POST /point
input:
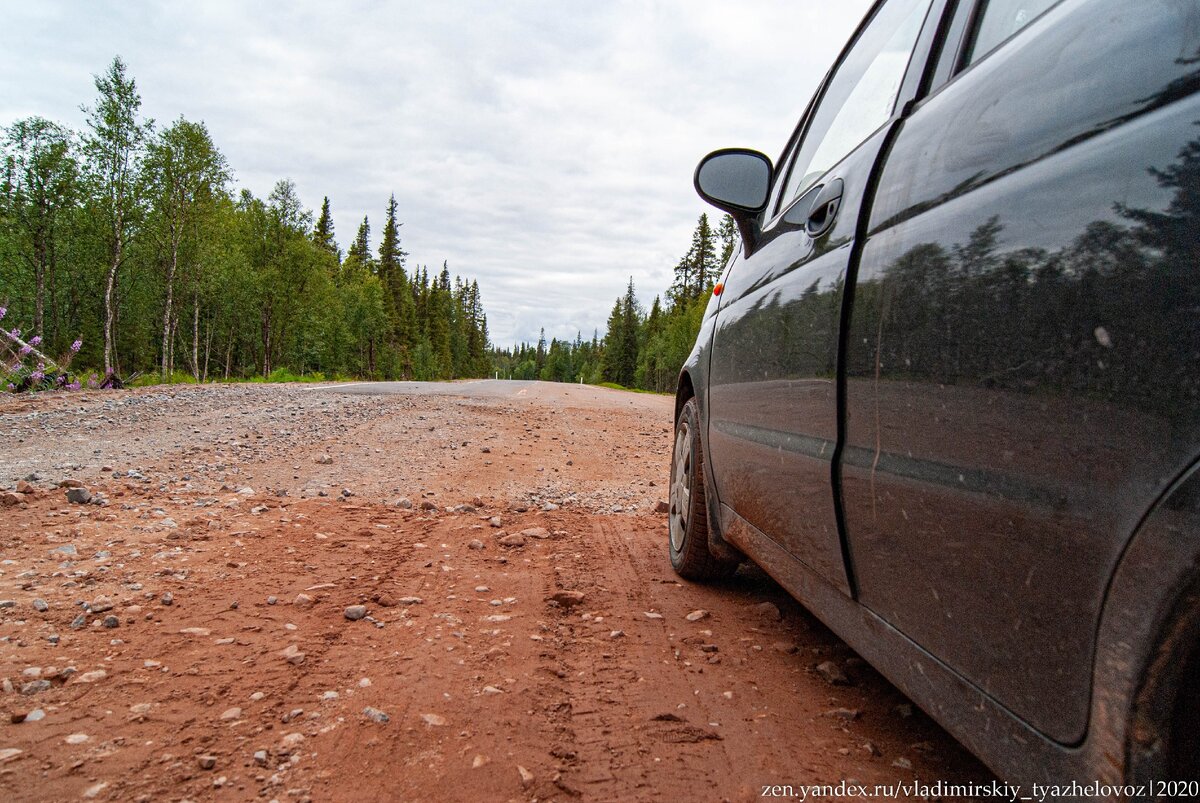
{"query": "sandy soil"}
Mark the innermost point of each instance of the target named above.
(243, 526)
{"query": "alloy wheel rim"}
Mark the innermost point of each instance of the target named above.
(681, 485)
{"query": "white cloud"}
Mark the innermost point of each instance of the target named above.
(544, 148)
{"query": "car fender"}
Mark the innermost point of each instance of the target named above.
(1150, 623)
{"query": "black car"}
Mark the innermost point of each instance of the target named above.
(947, 392)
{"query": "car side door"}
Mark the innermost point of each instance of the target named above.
(772, 396)
(1022, 356)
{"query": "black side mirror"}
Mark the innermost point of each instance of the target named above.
(737, 181)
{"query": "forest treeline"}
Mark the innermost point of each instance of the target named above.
(639, 349)
(129, 237)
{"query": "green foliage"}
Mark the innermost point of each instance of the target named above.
(639, 351)
(132, 241)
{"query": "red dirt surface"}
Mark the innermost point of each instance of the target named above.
(233, 672)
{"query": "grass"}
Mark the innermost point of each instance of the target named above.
(279, 375)
(615, 386)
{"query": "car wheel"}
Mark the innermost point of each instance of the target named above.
(690, 556)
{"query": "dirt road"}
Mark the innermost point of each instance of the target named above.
(454, 592)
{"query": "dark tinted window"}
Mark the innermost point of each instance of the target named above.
(861, 95)
(999, 19)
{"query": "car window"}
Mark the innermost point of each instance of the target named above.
(860, 96)
(997, 20)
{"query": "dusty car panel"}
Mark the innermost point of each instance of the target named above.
(957, 423)
(1019, 390)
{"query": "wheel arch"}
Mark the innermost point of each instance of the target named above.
(717, 544)
(684, 390)
(1149, 637)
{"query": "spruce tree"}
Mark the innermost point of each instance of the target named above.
(704, 257)
(323, 232)
(728, 235)
(393, 277)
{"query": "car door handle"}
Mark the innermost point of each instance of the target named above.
(824, 208)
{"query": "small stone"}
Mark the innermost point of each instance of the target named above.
(495, 521)
(246, 491)
(662, 507)
(404, 503)
(206, 762)
(476, 544)
(844, 714)
(78, 496)
(902, 763)
(100, 605)
(833, 674)
(616, 634)
(434, 719)
(94, 790)
(375, 715)
(355, 612)
(35, 687)
(410, 600)
(76, 738)
(767, 610)
(79, 622)
(111, 622)
(697, 615)
(92, 677)
(478, 761)
(195, 631)
(291, 741)
(260, 758)
(36, 715)
(526, 775)
(291, 653)
(347, 493)
(652, 615)
(567, 599)
(785, 647)
(231, 713)
(514, 540)
(167, 598)
(272, 600)
(492, 690)
(8, 753)
(40, 605)
(541, 533)
(325, 460)
(303, 601)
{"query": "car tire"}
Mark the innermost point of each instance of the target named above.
(688, 510)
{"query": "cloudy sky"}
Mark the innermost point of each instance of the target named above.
(544, 148)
